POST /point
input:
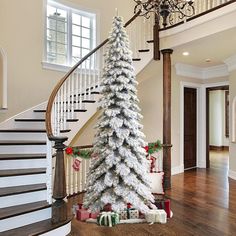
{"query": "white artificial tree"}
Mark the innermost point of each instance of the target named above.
(119, 175)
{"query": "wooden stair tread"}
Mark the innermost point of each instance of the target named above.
(21, 156)
(76, 110)
(144, 50)
(22, 130)
(35, 228)
(21, 189)
(21, 142)
(88, 101)
(136, 59)
(40, 120)
(17, 172)
(22, 209)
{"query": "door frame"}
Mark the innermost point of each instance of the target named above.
(201, 120)
(208, 89)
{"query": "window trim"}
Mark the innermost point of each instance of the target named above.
(69, 7)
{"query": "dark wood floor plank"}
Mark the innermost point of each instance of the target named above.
(21, 189)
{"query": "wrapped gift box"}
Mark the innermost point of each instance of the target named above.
(82, 214)
(129, 213)
(156, 216)
(165, 205)
(108, 219)
(94, 215)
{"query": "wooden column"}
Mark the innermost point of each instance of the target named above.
(59, 206)
(167, 117)
(156, 40)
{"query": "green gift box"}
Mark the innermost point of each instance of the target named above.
(108, 219)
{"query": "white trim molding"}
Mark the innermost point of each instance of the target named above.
(232, 174)
(231, 63)
(200, 72)
(3, 56)
(177, 170)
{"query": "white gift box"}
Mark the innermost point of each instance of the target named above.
(156, 216)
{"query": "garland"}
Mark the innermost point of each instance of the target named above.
(76, 152)
(153, 147)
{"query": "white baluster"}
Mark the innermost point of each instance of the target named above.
(69, 104)
(80, 87)
(85, 80)
(77, 89)
(65, 105)
(80, 178)
(73, 78)
(89, 78)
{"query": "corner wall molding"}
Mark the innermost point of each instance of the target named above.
(200, 72)
(232, 174)
(231, 63)
(177, 170)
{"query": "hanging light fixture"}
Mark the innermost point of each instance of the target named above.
(165, 10)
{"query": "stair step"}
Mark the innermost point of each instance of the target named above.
(76, 110)
(136, 59)
(88, 101)
(20, 142)
(40, 110)
(22, 156)
(21, 189)
(22, 209)
(150, 41)
(42, 120)
(18, 172)
(22, 131)
(144, 50)
(35, 228)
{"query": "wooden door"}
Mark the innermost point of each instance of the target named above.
(190, 128)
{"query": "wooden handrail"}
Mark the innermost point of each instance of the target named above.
(66, 76)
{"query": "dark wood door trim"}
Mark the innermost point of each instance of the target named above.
(224, 87)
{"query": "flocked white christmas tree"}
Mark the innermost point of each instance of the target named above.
(118, 175)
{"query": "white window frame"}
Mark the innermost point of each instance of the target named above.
(70, 8)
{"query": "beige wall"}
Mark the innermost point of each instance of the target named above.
(232, 146)
(21, 24)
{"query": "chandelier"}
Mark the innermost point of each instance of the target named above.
(165, 9)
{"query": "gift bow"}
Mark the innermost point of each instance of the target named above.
(106, 216)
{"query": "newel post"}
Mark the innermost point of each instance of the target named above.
(156, 40)
(167, 117)
(59, 206)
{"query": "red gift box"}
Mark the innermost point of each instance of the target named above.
(82, 215)
(129, 205)
(165, 205)
(94, 215)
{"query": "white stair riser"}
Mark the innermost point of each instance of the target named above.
(23, 198)
(23, 136)
(11, 181)
(29, 125)
(25, 219)
(62, 231)
(30, 149)
(22, 164)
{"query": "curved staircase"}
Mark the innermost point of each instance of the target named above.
(27, 159)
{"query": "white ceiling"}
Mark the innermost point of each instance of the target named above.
(217, 48)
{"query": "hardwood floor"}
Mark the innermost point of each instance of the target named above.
(203, 203)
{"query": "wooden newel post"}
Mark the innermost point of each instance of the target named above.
(59, 207)
(167, 117)
(156, 40)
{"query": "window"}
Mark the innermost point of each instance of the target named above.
(70, 34)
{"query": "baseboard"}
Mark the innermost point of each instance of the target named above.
(219, 148)
(232, 174)
(177, 170)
